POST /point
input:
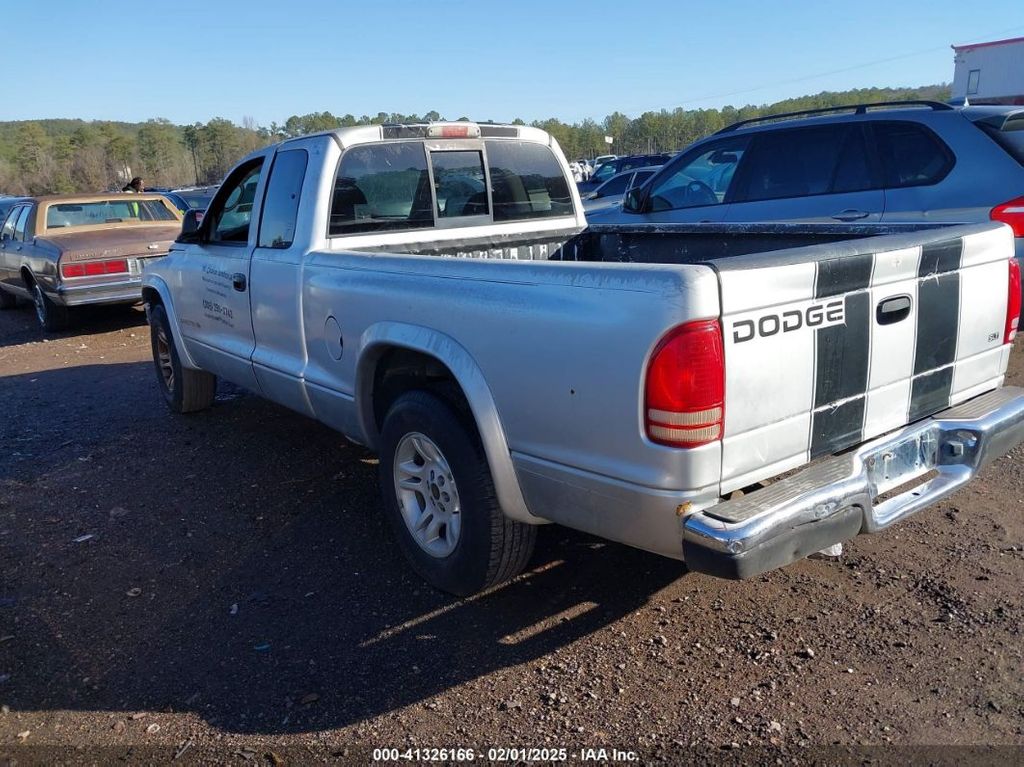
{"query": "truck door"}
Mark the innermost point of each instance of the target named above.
(213, 299)
(276, 284)
(829, 346)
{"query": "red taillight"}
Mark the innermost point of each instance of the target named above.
(685, 393)
(1013, 300)
(1011, 213)
(94, 268)
(453, 130)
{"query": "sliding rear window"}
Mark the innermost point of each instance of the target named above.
(526, 181)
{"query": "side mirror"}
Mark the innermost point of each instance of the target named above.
(633, 201)
(591, 196)
(5, 236)
(190, 226)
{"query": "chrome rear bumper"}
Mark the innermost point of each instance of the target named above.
(836, 499)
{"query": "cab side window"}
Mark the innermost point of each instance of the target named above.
(230, 213)
(281, 205)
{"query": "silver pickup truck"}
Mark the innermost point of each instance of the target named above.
(736, 397)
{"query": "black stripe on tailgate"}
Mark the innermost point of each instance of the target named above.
(938, 322)
(842, 353)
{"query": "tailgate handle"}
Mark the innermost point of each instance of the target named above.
(893, 309)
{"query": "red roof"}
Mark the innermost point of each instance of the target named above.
(972, 46)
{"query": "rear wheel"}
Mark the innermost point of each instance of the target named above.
(51, 316)
(440, 501)
(184, 390)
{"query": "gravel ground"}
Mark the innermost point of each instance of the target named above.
(222, 587)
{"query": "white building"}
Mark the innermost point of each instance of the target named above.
(989, 72)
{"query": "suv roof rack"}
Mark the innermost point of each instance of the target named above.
(859, 109)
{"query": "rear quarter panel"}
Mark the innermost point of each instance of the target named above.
(562, 347)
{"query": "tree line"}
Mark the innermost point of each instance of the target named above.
(62, 156)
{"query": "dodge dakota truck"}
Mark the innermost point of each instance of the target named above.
(735, 397)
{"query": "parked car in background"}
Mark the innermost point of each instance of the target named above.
(6, 203)
(65, 251)
(603, 158)
(611, 191)
(619, 164)
(896, 162)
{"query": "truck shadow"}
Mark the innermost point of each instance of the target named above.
(234, 564)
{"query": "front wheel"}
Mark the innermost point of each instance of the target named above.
(51, 316)
(440, 501)
(184, 390)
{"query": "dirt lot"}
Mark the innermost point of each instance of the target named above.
(224, 584)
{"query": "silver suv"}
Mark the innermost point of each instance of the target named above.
(897, 162)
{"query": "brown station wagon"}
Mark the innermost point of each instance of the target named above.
(70, 250)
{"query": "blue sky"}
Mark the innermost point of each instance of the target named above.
(190, 60)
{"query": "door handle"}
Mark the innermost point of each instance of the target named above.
(893, 309)
(850, 214)
(238, 282)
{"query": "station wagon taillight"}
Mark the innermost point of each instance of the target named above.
(94, 268)
(1013, 302)
(1012, 213)
(684, 397)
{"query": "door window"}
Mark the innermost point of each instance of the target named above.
(19, 228)
(640, 177)
(460, 184)
(231, 213)
(701, 178)
(910, 154)
(794, 163)
(616, 186)
(281, 205)
(382, 187)
(7, 233)
(853, 171)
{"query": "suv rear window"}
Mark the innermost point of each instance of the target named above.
(526, 181)
(910, 154)
(1010, 140)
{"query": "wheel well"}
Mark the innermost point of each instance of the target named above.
(400, 370)
(27, 278)
(151, 296)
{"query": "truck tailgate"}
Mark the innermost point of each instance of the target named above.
(831, 345)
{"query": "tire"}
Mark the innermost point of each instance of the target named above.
(8, 300)
(184, 390)
(476, 546)
(52, 317)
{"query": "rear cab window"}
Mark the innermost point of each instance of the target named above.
(404, 185)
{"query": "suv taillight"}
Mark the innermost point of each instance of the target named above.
(1012, 213)
(684, 396)
(1013, 301)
